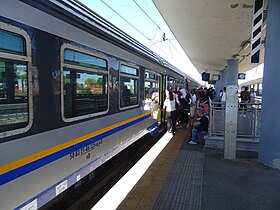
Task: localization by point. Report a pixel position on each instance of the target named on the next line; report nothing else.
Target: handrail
(248, 122)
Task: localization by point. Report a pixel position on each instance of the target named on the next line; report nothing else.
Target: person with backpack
(182, 109)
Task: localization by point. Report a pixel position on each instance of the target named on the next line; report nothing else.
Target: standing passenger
(182, 109)
(169, 107)
(183, 92)
(223, 99)
(245, 97)
(253, 95)
(193, 103)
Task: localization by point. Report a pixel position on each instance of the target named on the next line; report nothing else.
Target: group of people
(177, 107)
(179, 104)
(247, 97)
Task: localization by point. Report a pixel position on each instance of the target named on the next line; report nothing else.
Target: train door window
(84, 84)
(171, 83)
(129, 86)
(15, 94)
(178, 84)
(151, 88)
(152, 99)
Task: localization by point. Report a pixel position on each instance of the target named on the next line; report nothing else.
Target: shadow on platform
(241, 184)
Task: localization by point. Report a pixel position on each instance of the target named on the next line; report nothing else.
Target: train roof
(81, 16)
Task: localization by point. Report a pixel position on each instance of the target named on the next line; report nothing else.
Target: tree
(90, 82)
(99, 81)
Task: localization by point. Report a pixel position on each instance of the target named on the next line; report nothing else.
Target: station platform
(187, 176)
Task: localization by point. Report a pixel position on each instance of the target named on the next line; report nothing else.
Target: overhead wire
(148, 8)
(155, 34)
(174, 46)
(147, 15)
(158, 41)
(124, 19)
(170, 48)
(163, 37)
(153, 43)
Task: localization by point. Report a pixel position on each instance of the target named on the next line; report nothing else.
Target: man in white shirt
(252, 95)
(184, 93)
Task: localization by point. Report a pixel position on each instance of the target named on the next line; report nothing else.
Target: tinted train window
(10, 42)
(171, 85)
(152, 100)
(85, 90)
(151, 87)
(82, 59)
(129, 85)
(13, 83)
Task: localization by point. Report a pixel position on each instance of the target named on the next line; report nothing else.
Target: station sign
(241, 76)
(216, 77)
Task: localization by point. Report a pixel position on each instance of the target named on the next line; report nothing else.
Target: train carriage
(74, 92)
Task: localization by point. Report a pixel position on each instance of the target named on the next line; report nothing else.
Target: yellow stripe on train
(31, 158)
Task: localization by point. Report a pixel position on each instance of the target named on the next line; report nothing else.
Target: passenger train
(74, 92)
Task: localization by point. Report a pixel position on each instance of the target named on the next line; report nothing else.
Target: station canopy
(212, 31)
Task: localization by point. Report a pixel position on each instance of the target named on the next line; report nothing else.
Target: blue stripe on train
(153, 129)
(11, 175)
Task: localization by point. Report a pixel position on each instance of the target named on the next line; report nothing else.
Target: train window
(178, 84)
(151, 87)
(152, 100)
(15, 96)
(10, 42)
(171, 84)
(129, 70)
(129, 86)
(85, 85)
(78, 58)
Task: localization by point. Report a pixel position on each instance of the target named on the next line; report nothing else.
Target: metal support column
(231, 122)
(218, 86)
(269, 151)
(223, 79)
(232, 72)
(231, 111)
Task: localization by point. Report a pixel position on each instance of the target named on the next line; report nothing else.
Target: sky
(254, 73)
(141, 20)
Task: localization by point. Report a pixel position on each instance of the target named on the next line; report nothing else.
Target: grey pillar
(269, 150)
(232, 72)
(218, 86)
(231, 122)
(223, 79)
(231, 110)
